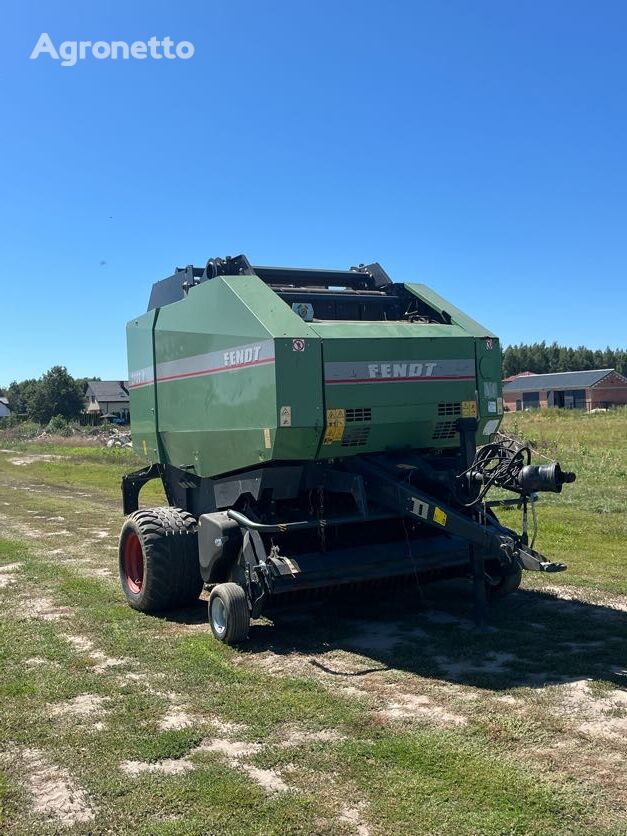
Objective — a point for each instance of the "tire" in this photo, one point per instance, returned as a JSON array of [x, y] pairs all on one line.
[[229, 615], [158, 559], [506, 583]]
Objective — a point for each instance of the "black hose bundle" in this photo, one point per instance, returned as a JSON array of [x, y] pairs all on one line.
[[495, 466]]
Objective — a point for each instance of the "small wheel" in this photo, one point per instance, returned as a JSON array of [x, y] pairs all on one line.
[[229, 616], [505, 582]]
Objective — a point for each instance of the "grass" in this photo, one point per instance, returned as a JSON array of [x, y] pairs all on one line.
[[423, 776], [592, 444], [586, 525], [491, 744], [90, 468]]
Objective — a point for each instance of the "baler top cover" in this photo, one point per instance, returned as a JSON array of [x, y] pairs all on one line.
[[235, 366]]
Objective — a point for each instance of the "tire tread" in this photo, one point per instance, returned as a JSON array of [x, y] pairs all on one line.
[[171, 568]]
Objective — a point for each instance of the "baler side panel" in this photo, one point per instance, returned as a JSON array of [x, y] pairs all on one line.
[[140, 349], [489, 387], [298, 419], [300, 407], [215, 382]]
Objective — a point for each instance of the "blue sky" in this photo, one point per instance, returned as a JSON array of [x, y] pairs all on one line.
[[477, 147]]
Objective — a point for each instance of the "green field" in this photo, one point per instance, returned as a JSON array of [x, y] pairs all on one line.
[[586, 525], [370, 715]]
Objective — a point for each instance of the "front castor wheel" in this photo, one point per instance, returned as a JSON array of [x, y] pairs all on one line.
[[229, 616], [504, 583]]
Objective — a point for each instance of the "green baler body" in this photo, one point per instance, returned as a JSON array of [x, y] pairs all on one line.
[[230, 378]]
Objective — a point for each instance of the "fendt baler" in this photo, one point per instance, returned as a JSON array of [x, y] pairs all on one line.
[[312, 429]]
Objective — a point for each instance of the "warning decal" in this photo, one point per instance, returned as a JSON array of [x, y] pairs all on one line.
[[336, 421], [285, 416], [439, 516]]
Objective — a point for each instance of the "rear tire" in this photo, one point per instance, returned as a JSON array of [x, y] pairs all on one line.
[[229, 615], [158, 559]]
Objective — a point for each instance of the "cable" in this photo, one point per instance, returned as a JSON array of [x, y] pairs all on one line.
[[498, 466], [534, 515], [421, 593]]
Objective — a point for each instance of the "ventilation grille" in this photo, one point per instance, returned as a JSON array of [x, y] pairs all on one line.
[[358, 413], [449, 408], [355, 437], [444, 430]]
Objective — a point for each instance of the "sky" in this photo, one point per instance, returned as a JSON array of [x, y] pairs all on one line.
[[479, 148]]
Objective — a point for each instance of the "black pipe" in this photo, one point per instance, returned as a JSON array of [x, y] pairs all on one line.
[[275, 528]]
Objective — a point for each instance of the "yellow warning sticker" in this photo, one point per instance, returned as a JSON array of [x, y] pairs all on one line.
[[336, 421], [439, 516], [469, 409], [266, 438]]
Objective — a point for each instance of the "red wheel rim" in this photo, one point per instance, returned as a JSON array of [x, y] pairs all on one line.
[[133, 562]]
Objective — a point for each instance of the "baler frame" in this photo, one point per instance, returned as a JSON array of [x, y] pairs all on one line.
[[470, 536]]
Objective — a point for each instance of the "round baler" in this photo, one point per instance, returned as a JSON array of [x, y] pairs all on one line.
[[314, 429]]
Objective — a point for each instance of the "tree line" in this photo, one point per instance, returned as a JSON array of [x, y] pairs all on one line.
[[56, 393], [542, 359]]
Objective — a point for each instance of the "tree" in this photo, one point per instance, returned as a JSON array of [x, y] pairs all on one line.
[[554, 357], [540, 358], [56, 393], [83, 381], [20, 396]]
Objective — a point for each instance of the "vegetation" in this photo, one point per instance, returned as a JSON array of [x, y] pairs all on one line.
[[376, 713], [542, 358], [586, 525], [59, 426], [56, 393]]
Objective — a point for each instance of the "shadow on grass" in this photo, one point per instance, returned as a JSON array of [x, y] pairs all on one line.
[[534, 639]]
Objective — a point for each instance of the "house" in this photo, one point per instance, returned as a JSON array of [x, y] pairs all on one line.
[[4, 408], [107, 398], [514, 376], [595, 389]]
